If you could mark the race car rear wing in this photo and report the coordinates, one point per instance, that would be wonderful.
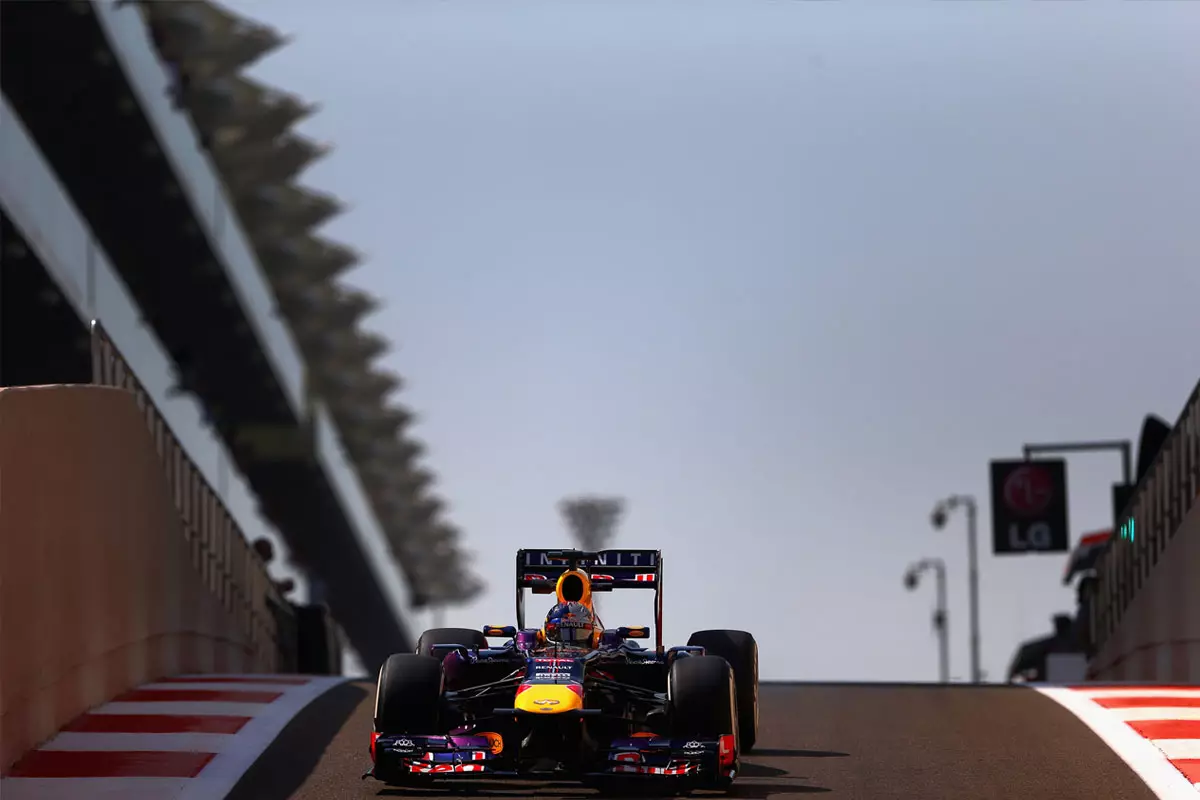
(538, 570)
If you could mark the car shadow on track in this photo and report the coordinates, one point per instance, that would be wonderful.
(761, 791)
(756, 790)
(784, 753)
(750, 770)
(762, 781)
(756, 781)
(490, 788)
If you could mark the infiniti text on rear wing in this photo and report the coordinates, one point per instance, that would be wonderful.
(609, 569)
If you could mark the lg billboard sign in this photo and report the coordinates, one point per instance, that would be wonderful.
(1029, 507)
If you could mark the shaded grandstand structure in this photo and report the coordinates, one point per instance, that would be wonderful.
(248, 129)
(151, 190)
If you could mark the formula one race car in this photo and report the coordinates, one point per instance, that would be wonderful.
(597, 708)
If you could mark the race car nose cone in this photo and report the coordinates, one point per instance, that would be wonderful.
(548, 698)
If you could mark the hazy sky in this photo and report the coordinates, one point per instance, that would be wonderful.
(781, 273)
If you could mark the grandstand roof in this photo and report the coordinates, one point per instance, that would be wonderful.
(383, 424)
(306, 260)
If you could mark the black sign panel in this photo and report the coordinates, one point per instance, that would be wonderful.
(1029, 507)
(1122, 496)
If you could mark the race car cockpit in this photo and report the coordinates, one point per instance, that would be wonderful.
(570, 624)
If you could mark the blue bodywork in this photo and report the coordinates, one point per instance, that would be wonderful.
(465, 752)
(620, 729)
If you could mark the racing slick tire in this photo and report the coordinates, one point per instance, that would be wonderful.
(408, 697)
(702, 701)
(468, 637)
(740, 649)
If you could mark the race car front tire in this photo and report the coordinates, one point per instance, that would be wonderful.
(702, 701)
(740, 649)
(701, 697)
(467, 637)
(408, 697)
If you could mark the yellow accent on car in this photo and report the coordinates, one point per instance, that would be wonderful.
(548, 698)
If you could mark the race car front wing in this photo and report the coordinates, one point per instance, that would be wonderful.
(395, 757)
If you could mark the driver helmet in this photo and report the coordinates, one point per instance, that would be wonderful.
(570, 624)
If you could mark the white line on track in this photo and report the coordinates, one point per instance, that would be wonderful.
(1147, 761)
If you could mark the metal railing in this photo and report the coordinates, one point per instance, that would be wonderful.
(1163, 498)
(229, 567)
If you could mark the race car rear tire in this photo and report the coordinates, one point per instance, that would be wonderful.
(408, 697)
(701, 697)
(468, 637)
(740, 649)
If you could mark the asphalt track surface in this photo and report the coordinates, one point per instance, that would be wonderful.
(844, 742)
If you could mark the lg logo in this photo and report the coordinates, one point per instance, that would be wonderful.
(1037, 537)
(1029, 490)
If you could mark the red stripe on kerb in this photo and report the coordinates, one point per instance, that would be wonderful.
(1087, 687)
(1167, 728)
(1148, 702)
(156, 723)
(1190, 767)
(236, 679)
(196, 696)
(109, 764)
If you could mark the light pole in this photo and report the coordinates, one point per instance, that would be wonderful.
(941, 513)
(940, 615)
(593, 521)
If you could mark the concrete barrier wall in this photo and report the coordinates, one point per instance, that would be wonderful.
(100, 588)
(1158, 636)
(1145, 613)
